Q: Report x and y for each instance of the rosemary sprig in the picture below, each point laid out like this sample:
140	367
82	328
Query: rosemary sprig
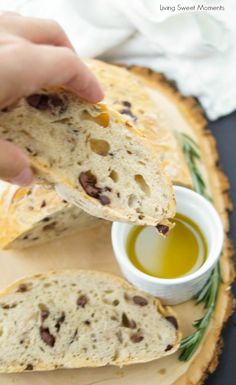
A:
192	155
208	294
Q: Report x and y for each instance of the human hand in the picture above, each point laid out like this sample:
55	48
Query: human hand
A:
36	53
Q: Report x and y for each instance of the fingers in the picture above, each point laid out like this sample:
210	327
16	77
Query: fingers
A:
61	66
36	53
42	65
45	57
39	31
14	165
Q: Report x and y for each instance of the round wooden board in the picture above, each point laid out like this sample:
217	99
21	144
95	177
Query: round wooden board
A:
92	249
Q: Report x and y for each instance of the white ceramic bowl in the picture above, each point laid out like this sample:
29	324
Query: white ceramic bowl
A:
175	290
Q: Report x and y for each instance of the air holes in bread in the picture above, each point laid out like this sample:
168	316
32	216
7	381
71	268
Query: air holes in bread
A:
100	147
101	119
64	121
132	200
139	179
142	162
114	176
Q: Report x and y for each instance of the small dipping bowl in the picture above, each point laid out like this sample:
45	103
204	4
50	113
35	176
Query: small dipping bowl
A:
175	290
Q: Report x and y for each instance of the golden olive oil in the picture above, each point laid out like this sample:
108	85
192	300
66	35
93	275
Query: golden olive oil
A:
182	252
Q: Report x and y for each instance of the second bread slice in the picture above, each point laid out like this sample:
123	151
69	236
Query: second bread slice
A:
80	318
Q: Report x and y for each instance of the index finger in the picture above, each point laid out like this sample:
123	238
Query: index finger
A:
42	65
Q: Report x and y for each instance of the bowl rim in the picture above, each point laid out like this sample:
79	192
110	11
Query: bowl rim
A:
212	257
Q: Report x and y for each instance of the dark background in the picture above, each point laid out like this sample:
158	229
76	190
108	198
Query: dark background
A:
224	130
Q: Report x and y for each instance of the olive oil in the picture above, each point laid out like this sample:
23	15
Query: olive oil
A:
182	252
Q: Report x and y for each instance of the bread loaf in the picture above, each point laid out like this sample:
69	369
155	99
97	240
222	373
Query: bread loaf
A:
74	319
130	96
33	215
95	158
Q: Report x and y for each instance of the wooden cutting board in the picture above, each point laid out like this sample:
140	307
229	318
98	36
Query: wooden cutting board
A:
92	249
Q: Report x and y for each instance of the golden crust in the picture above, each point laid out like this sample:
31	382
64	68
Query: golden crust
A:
121	87
20	209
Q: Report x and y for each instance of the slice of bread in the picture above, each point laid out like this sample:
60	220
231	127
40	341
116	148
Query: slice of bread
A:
96	158
79	318
33	215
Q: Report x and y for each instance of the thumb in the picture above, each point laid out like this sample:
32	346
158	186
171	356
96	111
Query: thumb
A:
14	165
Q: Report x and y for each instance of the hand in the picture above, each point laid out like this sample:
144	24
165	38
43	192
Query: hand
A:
36	53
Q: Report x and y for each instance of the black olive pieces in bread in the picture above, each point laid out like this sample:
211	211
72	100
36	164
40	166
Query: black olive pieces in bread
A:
76	318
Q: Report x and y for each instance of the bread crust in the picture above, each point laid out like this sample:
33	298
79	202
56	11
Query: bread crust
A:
27	211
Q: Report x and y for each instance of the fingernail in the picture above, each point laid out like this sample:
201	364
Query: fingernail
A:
24	178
